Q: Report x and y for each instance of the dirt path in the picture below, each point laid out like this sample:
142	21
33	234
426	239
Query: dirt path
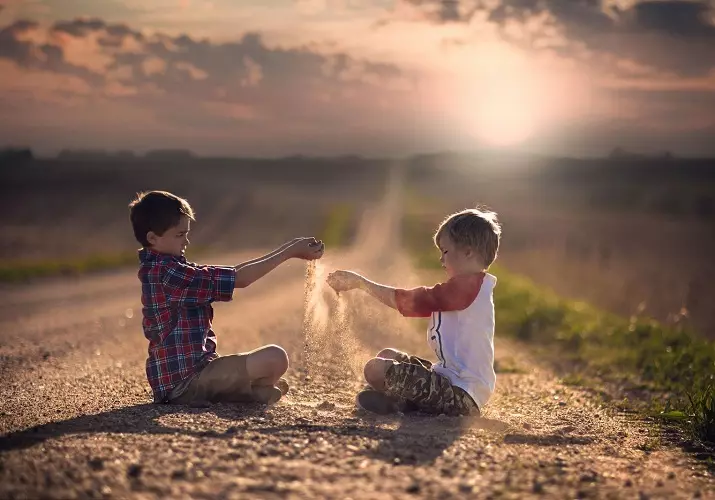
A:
76	418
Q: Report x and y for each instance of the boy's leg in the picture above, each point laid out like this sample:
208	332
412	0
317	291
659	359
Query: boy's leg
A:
265	367
386	404
238	378
375	370
403	357
374	398
223	378
428	390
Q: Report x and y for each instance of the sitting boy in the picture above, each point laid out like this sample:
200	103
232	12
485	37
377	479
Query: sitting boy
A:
461	328
183	366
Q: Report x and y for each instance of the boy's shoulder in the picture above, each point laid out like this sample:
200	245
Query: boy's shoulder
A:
464	281
152	263
463	289
472	279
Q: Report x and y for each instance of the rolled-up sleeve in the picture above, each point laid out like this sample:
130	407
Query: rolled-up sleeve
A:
186	284
454	295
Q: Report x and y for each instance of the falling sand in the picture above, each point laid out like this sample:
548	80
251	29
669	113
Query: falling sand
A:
331	348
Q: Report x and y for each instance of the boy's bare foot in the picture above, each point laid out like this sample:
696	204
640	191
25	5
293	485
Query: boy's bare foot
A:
282	384
266	394
377	402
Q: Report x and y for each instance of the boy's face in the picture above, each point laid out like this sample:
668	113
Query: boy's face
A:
454	259
174	240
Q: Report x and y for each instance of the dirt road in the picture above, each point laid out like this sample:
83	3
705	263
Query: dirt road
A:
76	418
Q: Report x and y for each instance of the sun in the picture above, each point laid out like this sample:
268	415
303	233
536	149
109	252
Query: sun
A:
501	98
506	113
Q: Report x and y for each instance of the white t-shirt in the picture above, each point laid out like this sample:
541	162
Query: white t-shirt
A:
461	329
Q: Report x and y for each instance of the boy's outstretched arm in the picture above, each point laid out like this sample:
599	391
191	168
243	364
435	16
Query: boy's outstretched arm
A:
253	270
268	255
343	281
420	302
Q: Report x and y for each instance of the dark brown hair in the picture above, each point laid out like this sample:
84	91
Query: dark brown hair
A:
156	211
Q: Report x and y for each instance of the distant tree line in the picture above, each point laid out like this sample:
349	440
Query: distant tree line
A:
100	154
15	155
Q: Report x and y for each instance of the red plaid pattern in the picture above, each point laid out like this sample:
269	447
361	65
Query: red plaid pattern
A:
176	300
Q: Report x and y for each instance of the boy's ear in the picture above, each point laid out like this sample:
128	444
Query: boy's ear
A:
152	237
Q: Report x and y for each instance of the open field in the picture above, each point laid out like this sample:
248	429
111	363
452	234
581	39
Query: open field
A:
56	210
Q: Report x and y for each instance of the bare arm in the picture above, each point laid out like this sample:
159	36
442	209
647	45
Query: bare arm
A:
342	281
268	255
383	293
253	270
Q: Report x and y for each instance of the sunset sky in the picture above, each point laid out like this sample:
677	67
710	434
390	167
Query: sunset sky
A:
371	77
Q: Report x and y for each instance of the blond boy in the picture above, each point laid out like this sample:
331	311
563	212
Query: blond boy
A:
461	327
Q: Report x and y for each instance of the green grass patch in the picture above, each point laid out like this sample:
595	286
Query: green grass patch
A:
14	271
673	362
21	270
338	225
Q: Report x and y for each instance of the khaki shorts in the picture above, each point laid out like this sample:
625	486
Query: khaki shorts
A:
223	380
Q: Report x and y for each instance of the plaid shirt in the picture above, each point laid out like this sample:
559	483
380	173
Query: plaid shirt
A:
176	299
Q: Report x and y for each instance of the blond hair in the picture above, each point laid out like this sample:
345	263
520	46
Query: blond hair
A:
476	229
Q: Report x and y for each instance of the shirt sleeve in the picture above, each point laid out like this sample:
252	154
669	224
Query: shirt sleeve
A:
192	285
454	295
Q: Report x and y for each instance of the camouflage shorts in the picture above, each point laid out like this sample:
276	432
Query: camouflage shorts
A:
412	379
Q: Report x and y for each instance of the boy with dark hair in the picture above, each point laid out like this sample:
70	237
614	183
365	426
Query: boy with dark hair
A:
183	366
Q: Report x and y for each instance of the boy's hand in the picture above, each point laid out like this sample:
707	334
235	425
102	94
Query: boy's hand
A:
342	281
306	248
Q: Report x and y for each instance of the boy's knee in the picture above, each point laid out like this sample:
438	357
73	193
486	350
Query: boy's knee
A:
278	358
269	361
388	353
374	372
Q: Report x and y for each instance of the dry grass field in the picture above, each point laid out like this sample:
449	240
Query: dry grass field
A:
634	238
63	209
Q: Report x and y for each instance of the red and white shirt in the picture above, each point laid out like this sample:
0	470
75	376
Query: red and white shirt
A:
461	329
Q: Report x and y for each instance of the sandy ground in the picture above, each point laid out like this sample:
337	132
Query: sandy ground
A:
77	421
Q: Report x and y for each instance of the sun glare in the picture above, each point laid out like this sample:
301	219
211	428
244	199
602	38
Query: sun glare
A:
505	113
501	99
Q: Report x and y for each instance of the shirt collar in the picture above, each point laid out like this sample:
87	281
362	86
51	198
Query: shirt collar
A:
148	254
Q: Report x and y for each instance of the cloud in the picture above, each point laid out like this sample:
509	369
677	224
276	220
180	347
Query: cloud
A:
674	36
218	88
17	44
255	91
15	49
689	19
669	35
433	11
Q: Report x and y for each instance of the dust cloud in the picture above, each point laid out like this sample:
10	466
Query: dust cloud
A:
331	347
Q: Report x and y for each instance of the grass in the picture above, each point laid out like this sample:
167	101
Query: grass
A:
20	270
673	363
14	271
336	231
